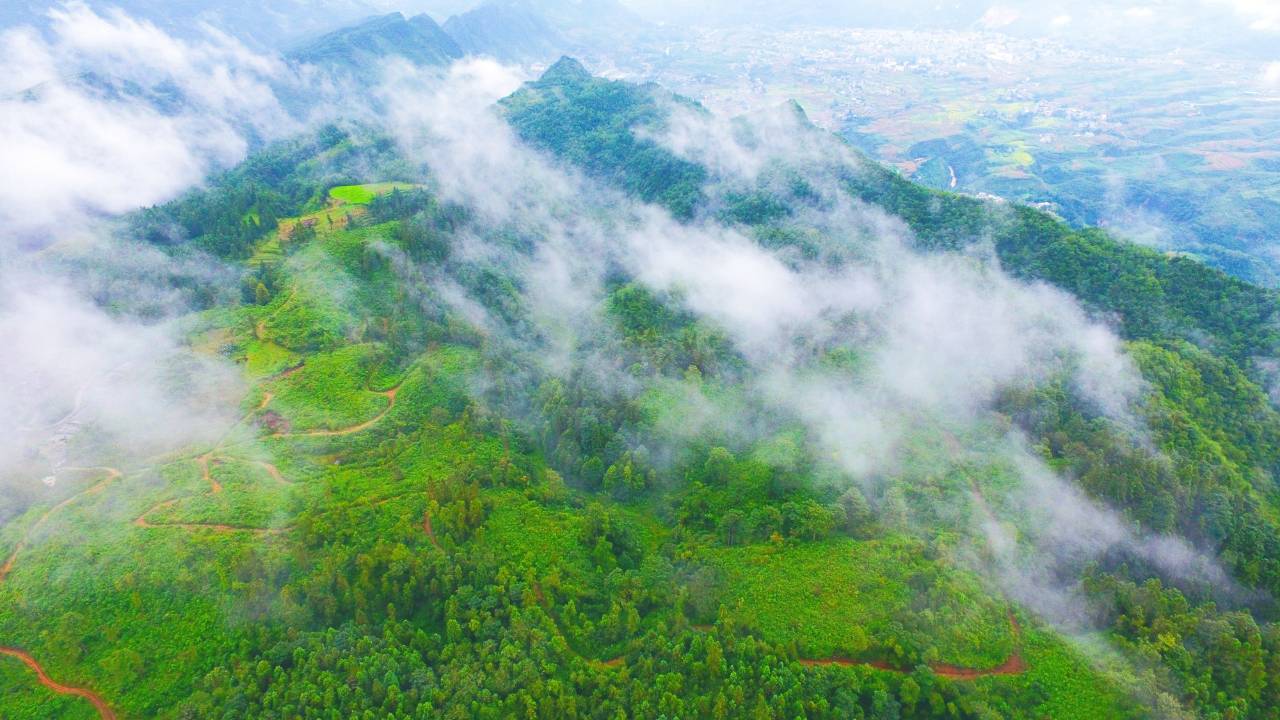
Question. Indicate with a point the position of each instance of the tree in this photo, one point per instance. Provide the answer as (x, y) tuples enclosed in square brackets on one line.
[(731, 524), (718, 467), (858, 516)]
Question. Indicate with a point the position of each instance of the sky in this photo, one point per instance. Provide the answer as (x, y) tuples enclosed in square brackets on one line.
[(1240, 26)]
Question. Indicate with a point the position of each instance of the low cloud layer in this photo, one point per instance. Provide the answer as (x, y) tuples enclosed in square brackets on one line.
[(939, 336), (69, 365), (102, 114), (106, 113)]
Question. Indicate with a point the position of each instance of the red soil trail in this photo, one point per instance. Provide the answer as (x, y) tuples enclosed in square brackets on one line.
[(540, 596), (431, 533), (143, 522), (287, 372), (112, 474), (273, 471), (215, 487), (271, 468), (99, 704), (1015, 664), (203, 460), (390, 395)]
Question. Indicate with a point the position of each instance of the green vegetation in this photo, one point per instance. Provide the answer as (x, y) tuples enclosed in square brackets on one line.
[(414, 518), (364, 194), (844, 598), (25, 699), (330, 390)]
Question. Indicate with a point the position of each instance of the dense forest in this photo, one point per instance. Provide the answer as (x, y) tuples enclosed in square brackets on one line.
[(431, 508)]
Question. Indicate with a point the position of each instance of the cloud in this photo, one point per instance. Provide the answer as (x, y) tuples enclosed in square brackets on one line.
[(102, 115), (1271, 74), (109, 113), (938, 336), (68, 364), (999, 16), (1261, 15), (445, 117)]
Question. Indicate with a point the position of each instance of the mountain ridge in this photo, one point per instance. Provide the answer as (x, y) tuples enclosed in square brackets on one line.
[(509, 30), (418, 39), (640, 411)]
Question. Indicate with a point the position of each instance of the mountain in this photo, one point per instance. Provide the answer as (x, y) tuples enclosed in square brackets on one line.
[(419, 40), (508, 31), (593, 404)]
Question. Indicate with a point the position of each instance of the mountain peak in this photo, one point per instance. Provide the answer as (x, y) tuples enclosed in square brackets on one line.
[(798, 110), (511, 30), (566, 69), (419, 40)]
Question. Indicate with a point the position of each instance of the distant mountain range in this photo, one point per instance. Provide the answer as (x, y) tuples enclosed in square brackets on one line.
[(509, 31), (419, 40)]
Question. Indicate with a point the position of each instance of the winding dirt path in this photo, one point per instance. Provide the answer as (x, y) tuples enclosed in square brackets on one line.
[(269, 467), (112, 474), (1015, 664), (104, 711), (390, 395), (203, 461), (215, 487), (431, 533), (142, 522)]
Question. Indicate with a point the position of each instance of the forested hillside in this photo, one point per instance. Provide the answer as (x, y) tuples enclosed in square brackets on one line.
[(651, 414)]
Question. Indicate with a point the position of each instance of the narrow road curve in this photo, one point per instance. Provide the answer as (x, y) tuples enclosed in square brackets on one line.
[(142, 522), (390, 395), (431, 533), (112, 474), (104, 711), (270, 468), (205, 473)]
